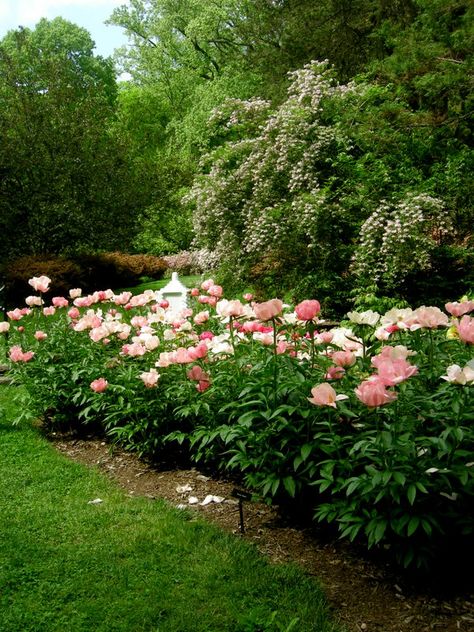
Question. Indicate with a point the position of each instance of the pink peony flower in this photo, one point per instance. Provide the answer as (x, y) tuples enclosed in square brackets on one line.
[(40, 335), (198, 352), (84, 301), (325, 337), (40, 284), (88, 321), (100, 385), (16, 354), (465, 329), (206, 335), (75, 292), (59, 301), (251, 327), (324, 395), (4, 326), (392, 372), (399, 352), (164, 304), (459, 309), (343, 358), (34, 301), (103, 295), (307, 310), (205, 285), (226, 309), (269, 309), (456, 375), (150, 378), (181, 356), (202, 386), (373, 393), (134, 350), (215, 290), (139, 321), (96, 334), (122, 299), (197, 374), (166, 359), (335, 373), (194, 291), (263, 338), (201, 317), (74, 313), (248, 296), (283, 347), (49, 311), (429, 317)]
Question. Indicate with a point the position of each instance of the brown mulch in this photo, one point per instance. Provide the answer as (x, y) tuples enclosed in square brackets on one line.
[(364, 594)]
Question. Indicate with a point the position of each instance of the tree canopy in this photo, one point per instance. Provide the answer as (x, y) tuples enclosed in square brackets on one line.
[(61, 169), (223, 129)]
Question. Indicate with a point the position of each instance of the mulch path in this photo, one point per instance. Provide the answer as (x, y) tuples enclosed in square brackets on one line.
[(364, 594)]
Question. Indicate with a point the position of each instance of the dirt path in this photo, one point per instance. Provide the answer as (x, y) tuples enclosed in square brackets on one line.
[(363, 595)]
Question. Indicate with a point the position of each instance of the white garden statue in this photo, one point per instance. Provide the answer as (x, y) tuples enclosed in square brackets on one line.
[(175, 293)]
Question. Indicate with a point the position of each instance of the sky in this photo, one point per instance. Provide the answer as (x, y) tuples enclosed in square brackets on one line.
[(89, 14)]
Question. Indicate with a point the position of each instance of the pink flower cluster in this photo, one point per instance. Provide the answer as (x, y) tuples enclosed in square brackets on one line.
[(16, 354), (392, 369), (183, 355), (17, 314)]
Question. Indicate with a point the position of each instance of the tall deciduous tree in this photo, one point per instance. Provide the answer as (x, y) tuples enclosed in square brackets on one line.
[(63, 183)]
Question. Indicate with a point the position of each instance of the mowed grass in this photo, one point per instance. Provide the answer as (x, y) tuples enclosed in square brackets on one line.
[(127, 564)]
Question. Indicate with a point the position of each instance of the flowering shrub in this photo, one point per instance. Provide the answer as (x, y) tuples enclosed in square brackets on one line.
[(272, 185), (190, 261), (398, 239), (370, 421)]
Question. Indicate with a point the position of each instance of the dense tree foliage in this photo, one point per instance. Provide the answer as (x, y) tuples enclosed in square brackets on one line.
[(207, 118), (63, 176)]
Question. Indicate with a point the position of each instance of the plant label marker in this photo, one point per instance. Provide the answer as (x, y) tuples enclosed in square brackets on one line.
[(241, 496)]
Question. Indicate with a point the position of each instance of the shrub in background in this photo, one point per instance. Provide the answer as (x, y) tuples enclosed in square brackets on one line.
[(64, 272), (109, 270)]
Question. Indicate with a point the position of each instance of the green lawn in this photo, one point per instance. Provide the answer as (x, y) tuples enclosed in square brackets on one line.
[(126, 564)]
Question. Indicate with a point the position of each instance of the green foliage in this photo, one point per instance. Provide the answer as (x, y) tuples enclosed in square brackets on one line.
[(234, 393), (64, 182), (145, 563)]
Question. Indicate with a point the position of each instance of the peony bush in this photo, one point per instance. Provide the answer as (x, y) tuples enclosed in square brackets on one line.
[(369, 423)]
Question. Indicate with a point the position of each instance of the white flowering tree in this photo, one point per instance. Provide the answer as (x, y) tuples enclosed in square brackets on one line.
[(297, 192), (399, 238), (276, 185)]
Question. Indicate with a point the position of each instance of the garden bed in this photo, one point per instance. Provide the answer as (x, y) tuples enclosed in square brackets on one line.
[(367, 426), (364, 594)]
